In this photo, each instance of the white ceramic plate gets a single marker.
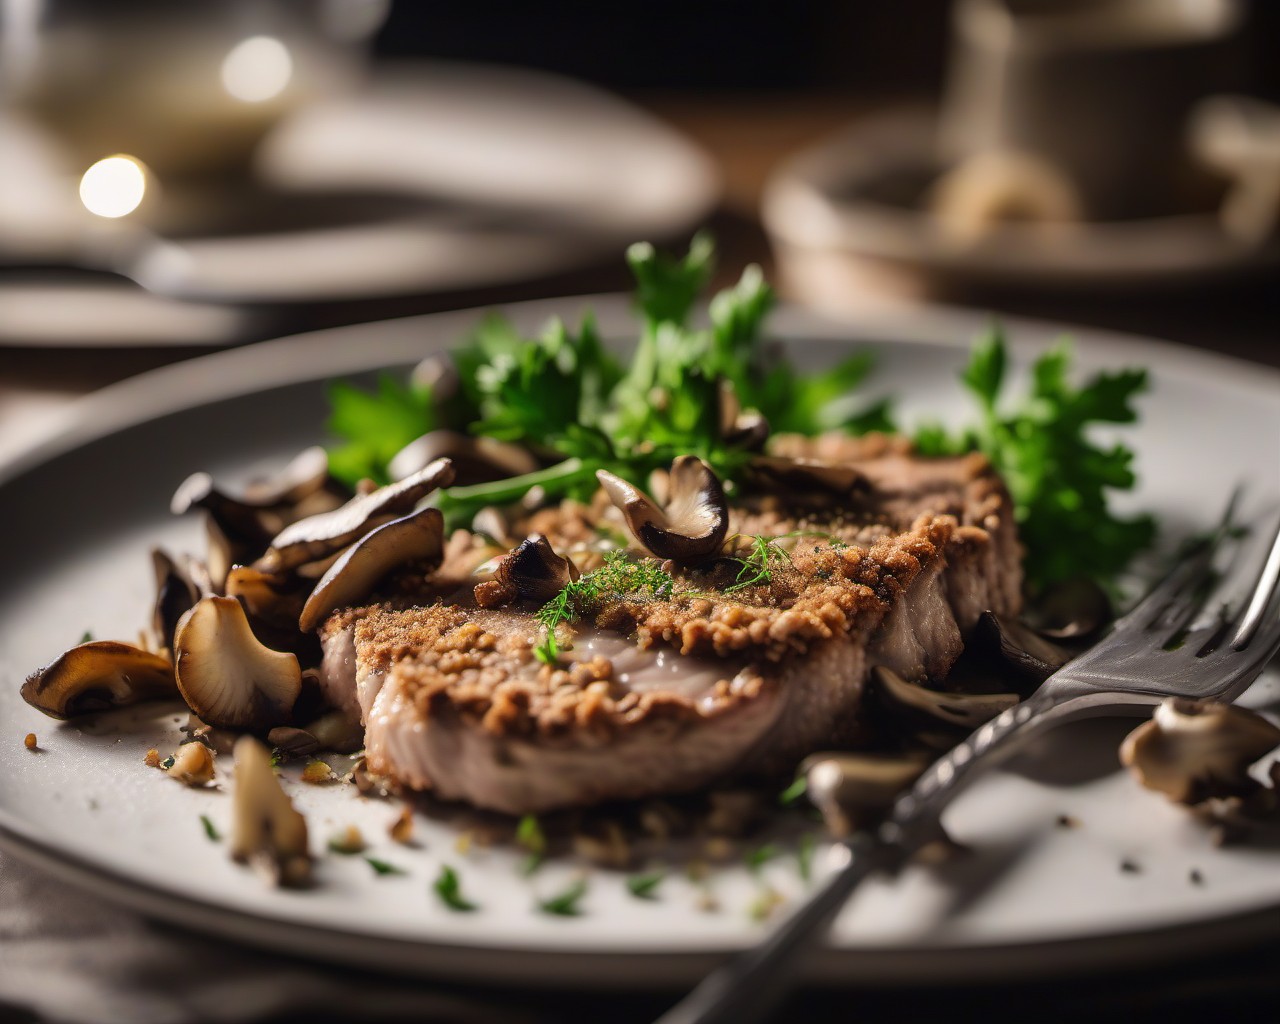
(82, 511)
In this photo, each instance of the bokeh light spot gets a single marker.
(257, 69)
(114, 186)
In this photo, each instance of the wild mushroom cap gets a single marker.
(239, 520)
(268, 597)
(306, 473)
(739, 428)
(225, 675)
(1022, 650)
(267, 832)
(323, 535)
(1193, 750)
(961, 710)
(1071, 610)
(98, 675)
(415, 537)
(691, 528)
(475, 459)
(532, 572)
(853, 789)
(837, 478)
(176, 593)
(303, 488)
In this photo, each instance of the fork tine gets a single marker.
(1186, 575)
(1263, 592)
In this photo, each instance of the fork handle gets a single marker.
(752, 983)
(914, 818)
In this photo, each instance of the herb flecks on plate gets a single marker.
(566, 903)
(449, 888)
(645, 886)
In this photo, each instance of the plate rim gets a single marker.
(235, 372)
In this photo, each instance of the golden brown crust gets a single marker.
(457, 660)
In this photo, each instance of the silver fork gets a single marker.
(1167, 646)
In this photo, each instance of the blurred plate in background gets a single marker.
(433, 178)
(859, 201)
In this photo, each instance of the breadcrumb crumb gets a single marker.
(317, 773)
(30, 741)
(192, 764)
(401, 830)
(348, 841)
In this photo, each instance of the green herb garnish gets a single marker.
(619, 577)
(86, 637)
(1057, 477)
(804, 855)
(167, 763)
(794, 792)
(381, 867)
(644, 887)
(582, 409)
(761, 855)
(210, 829)
(449, 890)
(757, 568)
(566, 903)
(529, 835)
(375, 426)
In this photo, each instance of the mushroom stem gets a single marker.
(267, 832)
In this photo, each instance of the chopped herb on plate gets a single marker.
(530, 836)
(644, 887)
(382, 868)
(449, 889)
(565, 904)
(761, 855)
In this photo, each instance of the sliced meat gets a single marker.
(671, 695)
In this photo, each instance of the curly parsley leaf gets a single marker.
(579, 409)
(667, 288)
(1058, 477)
(375, 425)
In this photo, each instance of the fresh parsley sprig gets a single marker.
(578, 408)
(1058, 477)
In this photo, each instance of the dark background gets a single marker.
(876, 49)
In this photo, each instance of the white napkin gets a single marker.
(67, 956)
